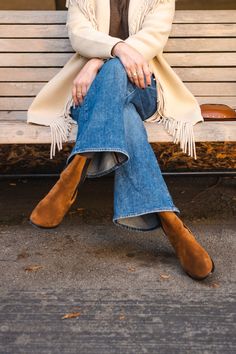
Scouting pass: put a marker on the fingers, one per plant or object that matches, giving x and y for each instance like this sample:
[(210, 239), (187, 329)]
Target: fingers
[(74, 95), (79, 92), (139, 74), (147, 74)]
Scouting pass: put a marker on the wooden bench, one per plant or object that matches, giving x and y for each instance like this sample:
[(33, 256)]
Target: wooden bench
[(34, 46)]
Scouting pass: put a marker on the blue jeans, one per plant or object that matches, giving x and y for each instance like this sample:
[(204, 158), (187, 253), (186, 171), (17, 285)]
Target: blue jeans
[(112, 133)]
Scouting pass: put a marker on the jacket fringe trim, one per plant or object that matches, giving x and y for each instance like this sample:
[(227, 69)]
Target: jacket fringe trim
[(182, 132), (61, 128)]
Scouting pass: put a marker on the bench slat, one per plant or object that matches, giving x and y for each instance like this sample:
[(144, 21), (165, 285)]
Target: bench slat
[(59, 30), (22, 103), (186, 74), (206, 74), (201, 59), (27, 74), (63, 45), (34, 59), (198, 88), (20, 132), (174, 59), (205, 30), (181, 16)]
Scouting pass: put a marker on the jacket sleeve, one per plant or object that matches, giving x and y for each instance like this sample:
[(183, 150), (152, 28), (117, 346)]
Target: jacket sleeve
[(156, 27), (84, 38)]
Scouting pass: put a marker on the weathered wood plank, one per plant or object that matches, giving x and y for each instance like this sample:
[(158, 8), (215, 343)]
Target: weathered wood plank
[(60, 30), (174, 59), (63, 45), (36, 31), (20, 88), (34, 59), (200, 45), (197, 88), (13, 115), (201, 59), (27, 74), (206, 74), (22, 133), (22, 103), (212, 89), (187, 74), (181, 16), (15, 103), (40, 45), (205, 30), (205, 16)]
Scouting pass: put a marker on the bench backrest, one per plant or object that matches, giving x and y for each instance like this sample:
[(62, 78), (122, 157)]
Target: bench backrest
[(34, 46)]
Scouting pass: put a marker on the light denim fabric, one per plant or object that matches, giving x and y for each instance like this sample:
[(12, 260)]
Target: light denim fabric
[(111, 131)]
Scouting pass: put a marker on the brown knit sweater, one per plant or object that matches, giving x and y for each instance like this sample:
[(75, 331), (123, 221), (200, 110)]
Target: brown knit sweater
[(119, 19)]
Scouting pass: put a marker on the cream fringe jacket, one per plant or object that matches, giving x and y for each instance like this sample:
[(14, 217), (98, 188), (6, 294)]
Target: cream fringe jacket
[(150, 23)]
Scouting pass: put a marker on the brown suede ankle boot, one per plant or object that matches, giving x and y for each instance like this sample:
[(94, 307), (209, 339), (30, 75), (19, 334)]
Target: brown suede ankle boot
[(194, 259), (52, 208)]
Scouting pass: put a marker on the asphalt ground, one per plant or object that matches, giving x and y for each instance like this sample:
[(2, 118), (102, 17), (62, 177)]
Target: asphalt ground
[(89, 286)]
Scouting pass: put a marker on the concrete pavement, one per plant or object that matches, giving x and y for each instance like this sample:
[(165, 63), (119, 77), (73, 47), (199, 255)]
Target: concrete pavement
[(127, 289)]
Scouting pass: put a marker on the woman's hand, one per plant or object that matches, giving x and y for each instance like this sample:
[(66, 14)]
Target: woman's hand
[(84, 79), (135, 65)]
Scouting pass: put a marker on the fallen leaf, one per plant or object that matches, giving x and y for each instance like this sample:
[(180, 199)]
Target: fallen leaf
[(77, 211), (164, 276), (122, 317), (71, 315), (33, 267), (215, 285), (12, 184), (131, 269)]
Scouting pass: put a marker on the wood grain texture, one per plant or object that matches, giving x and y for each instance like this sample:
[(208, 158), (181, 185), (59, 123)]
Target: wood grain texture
[(50, 45), (197, 88), (22, 103), (20, 132), (174, 59), (201, 74), (27, 74), (181, 16)]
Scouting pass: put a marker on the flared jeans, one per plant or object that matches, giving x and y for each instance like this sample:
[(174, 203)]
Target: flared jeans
[(112, 133)]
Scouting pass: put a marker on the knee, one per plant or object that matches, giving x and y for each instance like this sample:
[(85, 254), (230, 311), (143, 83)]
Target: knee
[(114, 65)]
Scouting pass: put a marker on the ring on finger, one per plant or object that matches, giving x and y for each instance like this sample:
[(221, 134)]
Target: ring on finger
[(134, 74)]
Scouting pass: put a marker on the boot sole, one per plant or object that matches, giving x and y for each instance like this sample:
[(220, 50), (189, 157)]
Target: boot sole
[(206, 276)]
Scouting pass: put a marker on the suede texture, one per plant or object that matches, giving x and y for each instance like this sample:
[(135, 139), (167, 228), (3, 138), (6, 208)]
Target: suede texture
[(50, 211)]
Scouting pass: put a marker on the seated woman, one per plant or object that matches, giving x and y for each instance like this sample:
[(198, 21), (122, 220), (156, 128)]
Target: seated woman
[(117, 87)]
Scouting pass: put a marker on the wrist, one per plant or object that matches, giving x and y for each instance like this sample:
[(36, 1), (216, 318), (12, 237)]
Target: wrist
[(115, 51), (97, 62)]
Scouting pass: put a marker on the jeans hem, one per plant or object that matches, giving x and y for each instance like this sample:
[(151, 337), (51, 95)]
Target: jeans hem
[(115, 219), (100, 150)]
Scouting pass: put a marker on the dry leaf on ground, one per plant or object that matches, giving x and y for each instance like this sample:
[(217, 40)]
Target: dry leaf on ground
[(215, 285), (131, 269), (165, 276), (33, 267), (71, 315)]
